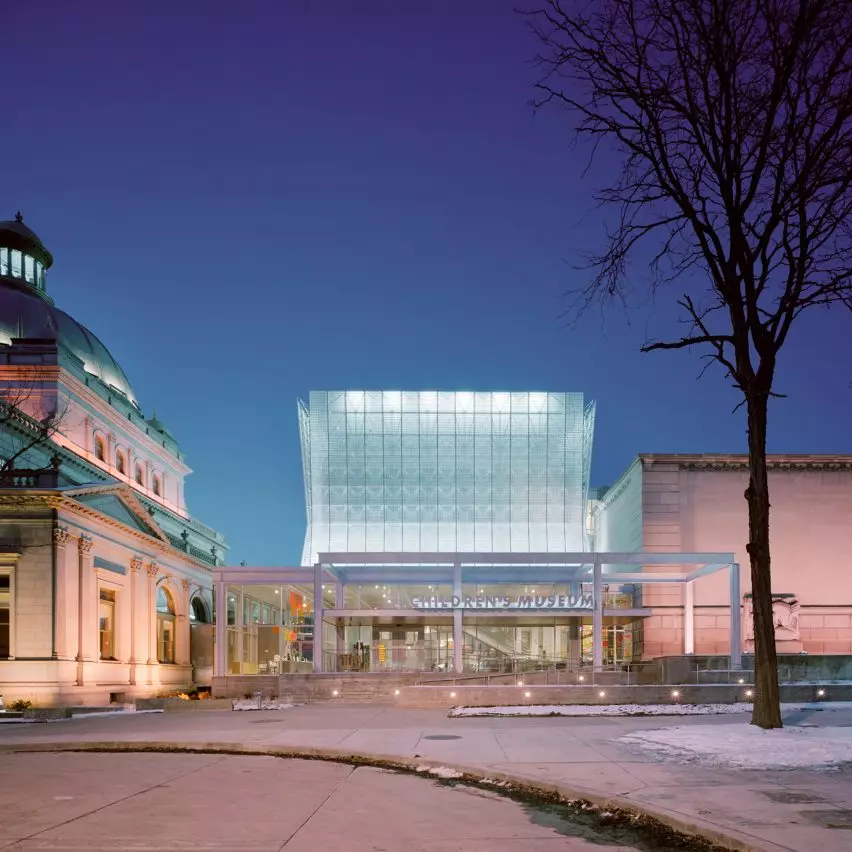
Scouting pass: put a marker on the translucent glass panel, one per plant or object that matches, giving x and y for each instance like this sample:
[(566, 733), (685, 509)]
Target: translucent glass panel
[(432, 471)]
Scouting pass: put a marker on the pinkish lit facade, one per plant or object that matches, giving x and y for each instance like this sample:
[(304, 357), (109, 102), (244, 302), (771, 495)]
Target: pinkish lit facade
[(695, 503)]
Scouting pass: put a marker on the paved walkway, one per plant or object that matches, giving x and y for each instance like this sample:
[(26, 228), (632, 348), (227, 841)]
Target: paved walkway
[(100, 802), (794, 810)]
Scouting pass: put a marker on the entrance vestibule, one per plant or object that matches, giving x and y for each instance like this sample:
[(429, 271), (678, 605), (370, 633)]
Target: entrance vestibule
[(417, 612)]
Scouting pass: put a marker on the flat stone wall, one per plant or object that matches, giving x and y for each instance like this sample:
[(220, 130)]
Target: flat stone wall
[(355, 687), (792, 668), (496, 696)]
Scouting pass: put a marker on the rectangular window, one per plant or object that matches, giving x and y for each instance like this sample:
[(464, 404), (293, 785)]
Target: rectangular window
[(5, 610), (4, 261), (106, 618), (166, 639), (16, 263), (39, 276), (29, 269)]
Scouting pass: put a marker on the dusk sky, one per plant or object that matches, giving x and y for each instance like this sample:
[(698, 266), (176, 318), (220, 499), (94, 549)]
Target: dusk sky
[(249, 201)]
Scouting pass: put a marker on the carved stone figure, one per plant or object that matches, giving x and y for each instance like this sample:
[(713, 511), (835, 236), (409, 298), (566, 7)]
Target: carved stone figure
[(785, 618)]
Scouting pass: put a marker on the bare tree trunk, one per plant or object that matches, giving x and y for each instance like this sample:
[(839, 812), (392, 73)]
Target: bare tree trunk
[(767, 708)]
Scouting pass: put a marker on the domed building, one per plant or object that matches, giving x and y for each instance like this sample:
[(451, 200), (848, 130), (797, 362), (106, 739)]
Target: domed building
[(105, 578)]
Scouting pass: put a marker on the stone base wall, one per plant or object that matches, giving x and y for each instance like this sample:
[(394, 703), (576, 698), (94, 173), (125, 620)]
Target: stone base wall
[(822, 630), (357, 687), (448, 696), (54, 683)]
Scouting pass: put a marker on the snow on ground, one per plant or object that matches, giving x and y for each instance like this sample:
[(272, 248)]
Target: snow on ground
[(440, 771), (121, 711), (628, 709), (746, 746), (266, 704)]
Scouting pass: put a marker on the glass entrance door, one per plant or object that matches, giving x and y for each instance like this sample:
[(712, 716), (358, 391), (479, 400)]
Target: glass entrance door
[(618, 645)]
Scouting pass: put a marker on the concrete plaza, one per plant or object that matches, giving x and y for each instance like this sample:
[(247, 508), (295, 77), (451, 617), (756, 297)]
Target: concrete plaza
[(794, 810)]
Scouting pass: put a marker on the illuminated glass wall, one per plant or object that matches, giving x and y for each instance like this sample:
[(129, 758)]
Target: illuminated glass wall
[(445, 471)]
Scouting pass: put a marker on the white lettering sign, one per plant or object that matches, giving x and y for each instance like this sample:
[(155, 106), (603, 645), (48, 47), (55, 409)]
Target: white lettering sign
[(524, 602)]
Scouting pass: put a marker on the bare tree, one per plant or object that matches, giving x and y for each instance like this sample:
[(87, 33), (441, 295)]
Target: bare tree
[(28, 420), (732, 120)]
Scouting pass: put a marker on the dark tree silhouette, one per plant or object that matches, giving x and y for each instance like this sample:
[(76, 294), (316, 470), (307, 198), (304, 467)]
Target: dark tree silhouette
[(733, 123), (28, 422)]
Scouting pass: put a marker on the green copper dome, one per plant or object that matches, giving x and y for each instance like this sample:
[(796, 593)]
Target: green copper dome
[(26, 311)]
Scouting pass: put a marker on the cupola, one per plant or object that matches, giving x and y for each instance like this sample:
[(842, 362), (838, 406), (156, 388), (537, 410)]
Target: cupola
[(23, 257)]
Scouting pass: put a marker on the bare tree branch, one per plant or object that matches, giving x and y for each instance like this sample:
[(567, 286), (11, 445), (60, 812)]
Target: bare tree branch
[(732, 124)]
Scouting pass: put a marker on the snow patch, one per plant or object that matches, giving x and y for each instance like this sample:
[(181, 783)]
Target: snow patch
[(439, 771), (747, 746), (265, 704), (628, 709), (122, 712)]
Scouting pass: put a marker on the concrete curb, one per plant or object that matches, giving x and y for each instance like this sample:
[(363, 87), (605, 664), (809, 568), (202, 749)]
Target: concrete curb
[(507, 782)]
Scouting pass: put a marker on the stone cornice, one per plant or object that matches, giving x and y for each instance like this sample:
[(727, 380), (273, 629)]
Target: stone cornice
[(740, 462), (12, 502)]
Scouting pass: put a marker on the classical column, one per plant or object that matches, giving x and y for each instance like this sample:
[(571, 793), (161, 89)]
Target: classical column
[(736, 634), (597, 618), (136, 624), (153, 570), (182, 655), (86, 604), (688, 618), (60, 593), (220, 664)]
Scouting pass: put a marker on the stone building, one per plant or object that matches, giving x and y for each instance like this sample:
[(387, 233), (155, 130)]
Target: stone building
[(695, 503), (105, 578)]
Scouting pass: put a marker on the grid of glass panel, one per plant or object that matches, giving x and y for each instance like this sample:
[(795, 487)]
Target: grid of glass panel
[(445, 471)]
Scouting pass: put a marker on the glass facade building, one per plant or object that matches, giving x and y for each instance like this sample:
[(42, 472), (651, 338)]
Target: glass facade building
[(445, 471)]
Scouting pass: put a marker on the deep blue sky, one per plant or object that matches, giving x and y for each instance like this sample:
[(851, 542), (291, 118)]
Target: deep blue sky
[(249, 200)]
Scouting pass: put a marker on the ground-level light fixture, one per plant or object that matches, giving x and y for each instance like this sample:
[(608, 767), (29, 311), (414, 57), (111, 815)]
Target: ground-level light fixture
[(527, 694), (452, 695), (748, 693), (820, 693), (581, 678), (602, 694), (675, 693), (520, 683), (335, 693)]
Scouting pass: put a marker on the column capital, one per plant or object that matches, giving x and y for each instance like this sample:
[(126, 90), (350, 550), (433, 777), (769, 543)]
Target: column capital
[(153, 569), (135, 564), (185, 584), (85, 544), (61, 536)]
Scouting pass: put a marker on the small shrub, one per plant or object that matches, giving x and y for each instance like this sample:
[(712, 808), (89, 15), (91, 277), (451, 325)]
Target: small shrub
[(20, 704)]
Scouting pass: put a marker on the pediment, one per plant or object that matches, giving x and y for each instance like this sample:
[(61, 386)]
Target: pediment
[(121, 507)]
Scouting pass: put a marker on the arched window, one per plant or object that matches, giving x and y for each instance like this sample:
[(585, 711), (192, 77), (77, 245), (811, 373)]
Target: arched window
[(100, 448), (198, 611), (157, 487), (165, 626), (139, 476), (120, 464)]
